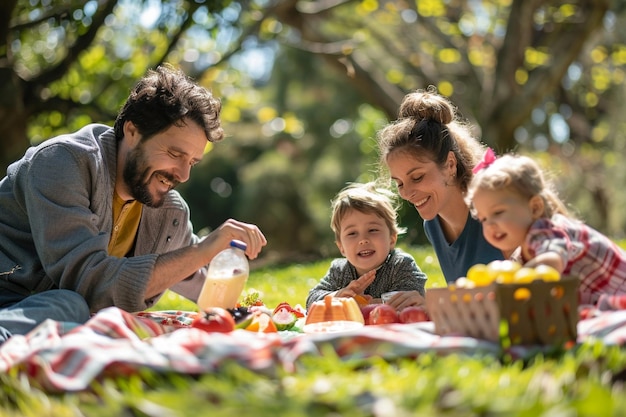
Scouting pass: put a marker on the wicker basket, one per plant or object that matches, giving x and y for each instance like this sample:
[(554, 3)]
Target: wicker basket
[(544, 313)]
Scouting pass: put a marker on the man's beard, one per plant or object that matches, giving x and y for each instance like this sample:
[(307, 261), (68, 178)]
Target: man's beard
[(135, 170)]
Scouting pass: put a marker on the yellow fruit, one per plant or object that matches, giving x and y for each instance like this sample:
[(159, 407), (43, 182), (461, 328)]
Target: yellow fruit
[(547, 273), (505, 278), (505, 271), (525, 275), (480, 275)]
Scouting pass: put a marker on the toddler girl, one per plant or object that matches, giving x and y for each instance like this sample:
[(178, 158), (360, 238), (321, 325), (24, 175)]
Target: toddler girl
[(519, 210)]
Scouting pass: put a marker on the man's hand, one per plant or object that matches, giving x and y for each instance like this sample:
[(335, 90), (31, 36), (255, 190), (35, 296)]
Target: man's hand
[(172, 267), (231, 229)]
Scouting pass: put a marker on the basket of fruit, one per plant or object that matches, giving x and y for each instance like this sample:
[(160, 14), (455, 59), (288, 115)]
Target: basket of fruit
[(506, 303)]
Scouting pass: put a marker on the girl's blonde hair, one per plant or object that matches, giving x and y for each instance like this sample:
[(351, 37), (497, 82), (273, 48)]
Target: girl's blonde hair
[(520, 174), (428, 128), (368, 198)]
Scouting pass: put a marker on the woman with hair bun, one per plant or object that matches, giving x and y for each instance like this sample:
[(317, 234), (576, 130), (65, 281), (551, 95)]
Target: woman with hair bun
[(430, 154)]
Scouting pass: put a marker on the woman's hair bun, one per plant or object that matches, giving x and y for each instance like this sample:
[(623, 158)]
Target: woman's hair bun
[(427, 104)]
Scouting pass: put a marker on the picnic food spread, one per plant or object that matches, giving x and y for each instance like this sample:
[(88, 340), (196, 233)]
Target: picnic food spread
[(499, 300), (332, 314)]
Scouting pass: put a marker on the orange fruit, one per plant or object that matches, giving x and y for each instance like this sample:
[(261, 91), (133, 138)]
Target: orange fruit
[(262, 323), (360, 300)]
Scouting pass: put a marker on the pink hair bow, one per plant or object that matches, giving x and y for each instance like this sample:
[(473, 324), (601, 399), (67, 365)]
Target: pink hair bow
[(488, 158)]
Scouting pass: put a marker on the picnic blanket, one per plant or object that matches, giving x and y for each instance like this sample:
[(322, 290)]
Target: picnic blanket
[(115, 343)]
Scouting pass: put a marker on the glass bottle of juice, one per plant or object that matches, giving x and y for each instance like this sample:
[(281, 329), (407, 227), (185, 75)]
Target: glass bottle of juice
[(226, 277)]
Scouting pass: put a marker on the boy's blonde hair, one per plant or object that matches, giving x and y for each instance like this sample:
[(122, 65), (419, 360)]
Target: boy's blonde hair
[(367, 198), (521, 174)]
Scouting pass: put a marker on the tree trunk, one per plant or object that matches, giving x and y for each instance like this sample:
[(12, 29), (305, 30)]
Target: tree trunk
[(12, 112), (12, 118)]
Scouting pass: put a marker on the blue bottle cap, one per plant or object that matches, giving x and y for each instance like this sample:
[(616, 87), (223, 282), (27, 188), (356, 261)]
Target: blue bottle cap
[(238, 244)]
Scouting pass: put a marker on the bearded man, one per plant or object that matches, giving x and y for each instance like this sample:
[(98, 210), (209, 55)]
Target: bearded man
[(91, 219)]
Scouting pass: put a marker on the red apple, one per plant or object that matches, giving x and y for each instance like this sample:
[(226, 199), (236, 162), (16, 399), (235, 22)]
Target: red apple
[(383, 314), (413, 314), (366, 310)]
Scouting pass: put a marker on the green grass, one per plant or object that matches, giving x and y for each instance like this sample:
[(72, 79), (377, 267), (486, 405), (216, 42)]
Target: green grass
[(586, 381), (582, 383)]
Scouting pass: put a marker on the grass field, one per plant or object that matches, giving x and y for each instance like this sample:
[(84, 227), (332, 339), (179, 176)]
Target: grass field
[(585, 381)]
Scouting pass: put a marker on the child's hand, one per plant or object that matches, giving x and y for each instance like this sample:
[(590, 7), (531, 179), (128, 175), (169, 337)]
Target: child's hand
[(357, 286), (404, 299), (552, 259)]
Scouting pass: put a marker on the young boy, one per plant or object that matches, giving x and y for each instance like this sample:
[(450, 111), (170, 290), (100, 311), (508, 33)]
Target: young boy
[(364, 220)]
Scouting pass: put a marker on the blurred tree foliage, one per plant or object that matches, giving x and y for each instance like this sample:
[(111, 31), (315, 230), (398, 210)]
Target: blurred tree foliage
[(306, 85)]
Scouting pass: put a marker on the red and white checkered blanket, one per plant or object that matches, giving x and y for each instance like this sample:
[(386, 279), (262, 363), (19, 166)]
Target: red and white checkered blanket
[(116, 343)]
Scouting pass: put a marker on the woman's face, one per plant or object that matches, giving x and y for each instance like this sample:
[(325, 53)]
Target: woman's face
[(422, 183)]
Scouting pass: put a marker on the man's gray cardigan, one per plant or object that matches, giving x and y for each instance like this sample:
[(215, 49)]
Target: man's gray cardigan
[(56, 219)]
